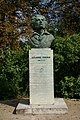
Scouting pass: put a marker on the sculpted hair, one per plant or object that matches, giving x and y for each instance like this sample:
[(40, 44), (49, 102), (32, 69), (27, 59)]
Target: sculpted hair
[(34, 18)]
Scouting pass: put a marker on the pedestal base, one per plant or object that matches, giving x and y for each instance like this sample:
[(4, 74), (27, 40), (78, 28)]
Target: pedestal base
[(59, 107)]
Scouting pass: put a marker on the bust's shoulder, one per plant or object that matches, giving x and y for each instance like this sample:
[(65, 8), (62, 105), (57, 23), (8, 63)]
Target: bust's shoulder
[(33, 35), (49, 34)]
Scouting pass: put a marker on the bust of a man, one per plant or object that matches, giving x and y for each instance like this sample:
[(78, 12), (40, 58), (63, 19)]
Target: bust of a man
[(40, 37)]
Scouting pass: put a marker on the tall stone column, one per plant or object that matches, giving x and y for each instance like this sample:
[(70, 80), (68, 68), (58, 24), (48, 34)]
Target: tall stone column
[(41, 82)]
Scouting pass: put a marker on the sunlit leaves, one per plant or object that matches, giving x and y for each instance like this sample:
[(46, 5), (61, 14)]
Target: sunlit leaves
[(63, 17)]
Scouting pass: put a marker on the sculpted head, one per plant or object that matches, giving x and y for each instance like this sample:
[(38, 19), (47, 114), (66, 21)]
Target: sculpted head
[(38, 22)]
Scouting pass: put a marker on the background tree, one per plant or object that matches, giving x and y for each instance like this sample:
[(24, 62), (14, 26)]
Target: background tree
[(63, 17)]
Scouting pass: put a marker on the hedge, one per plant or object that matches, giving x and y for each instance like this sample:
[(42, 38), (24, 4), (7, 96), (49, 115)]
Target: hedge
[(14, 78), (66, 63)]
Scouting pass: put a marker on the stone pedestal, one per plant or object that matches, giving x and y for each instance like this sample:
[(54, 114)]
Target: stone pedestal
[(41, 86), (41, 76), (59, 107)]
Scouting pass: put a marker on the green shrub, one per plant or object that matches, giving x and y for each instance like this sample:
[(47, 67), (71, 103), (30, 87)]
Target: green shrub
[(66, 59), (14, 73), (14, 77), (70, 87)]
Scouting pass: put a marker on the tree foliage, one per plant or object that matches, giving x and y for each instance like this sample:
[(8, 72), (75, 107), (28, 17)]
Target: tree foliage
[(63, 17)]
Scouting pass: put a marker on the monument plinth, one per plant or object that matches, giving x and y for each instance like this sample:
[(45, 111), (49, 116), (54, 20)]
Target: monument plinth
[(41, 76)]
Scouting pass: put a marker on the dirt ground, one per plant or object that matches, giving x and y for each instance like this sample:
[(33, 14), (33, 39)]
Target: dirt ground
[(7, 112)]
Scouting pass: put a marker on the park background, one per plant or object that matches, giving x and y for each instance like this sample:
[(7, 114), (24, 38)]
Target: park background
[(64, 23)]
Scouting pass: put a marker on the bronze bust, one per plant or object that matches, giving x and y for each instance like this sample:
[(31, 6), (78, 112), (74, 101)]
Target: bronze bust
[(40, 37)]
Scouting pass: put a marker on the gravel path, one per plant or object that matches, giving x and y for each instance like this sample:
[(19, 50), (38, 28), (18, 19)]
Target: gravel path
[(7, 109)]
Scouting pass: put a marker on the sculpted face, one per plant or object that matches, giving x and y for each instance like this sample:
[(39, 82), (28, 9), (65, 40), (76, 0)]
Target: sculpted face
[(39, 22), (40, 38)]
